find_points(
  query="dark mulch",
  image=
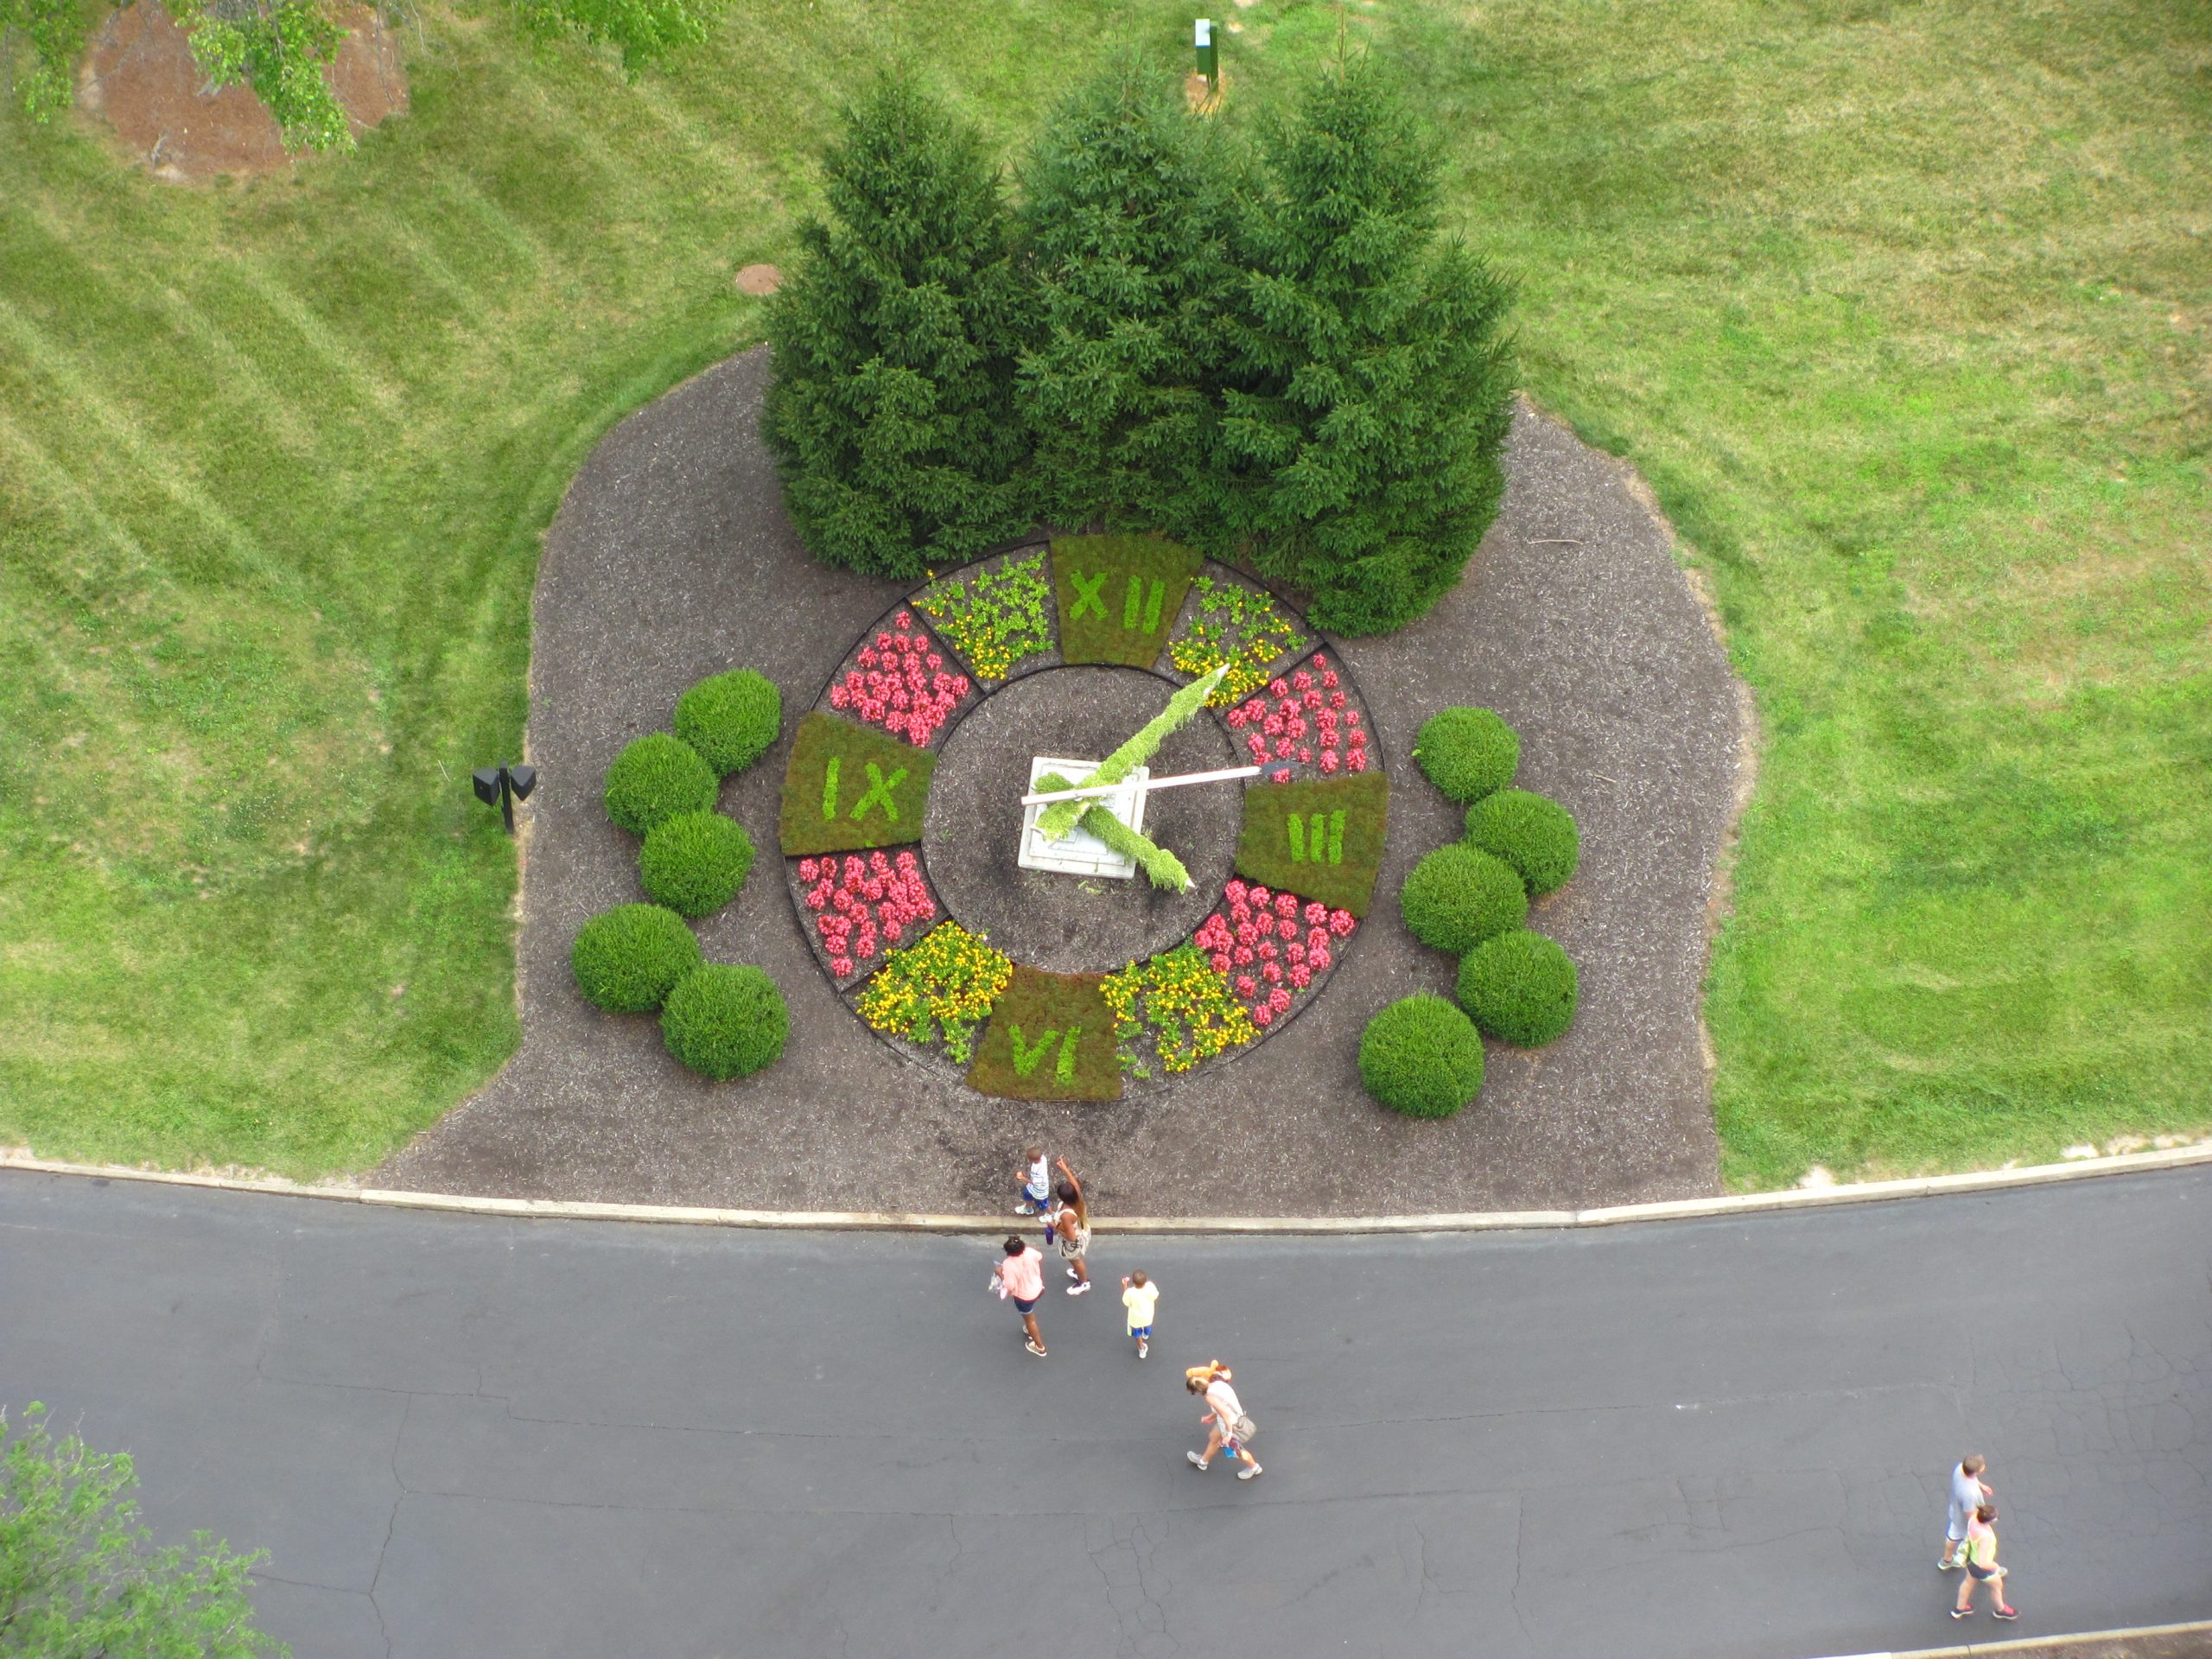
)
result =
(672, 559)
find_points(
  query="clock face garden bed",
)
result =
(672, 560)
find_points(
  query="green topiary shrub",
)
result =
(1519, 987)
(1534, 835)
(731, 719)
(726, 1020)
(1422, 1056)
(657, 777)
(695, 862)
(1467, 753)
(628, 960)
(1459, 895)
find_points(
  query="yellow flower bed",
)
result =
(937, 990)
(1186, 1005)
(1239, 626)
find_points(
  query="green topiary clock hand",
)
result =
(1057, 821)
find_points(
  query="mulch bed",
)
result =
(672, 559)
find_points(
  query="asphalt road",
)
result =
(1710, 1437)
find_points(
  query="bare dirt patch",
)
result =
(139, 78)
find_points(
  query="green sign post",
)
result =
(1208, 59)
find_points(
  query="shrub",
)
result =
(1422, 1057)
(657, 777)
(725, 1020)
(1534, 835)
(1467, 753)
(731, 719)
(628, 960)
(1519, 987)
(695, 862)
(1369, 392)
(1458, 896)
(890, 407)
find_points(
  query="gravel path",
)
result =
(672, 559)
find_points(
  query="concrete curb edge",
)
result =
(1744, 1204)
(2039, 1643)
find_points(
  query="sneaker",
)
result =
(1250, 1471)
(1143, 1348)
(1072, 1274)
(1078, 1290)
(1196, 1462)
(1962, 1612)
(1949, 1567)
(1032, 1348)
(1024, 1209)
(2004, 1612)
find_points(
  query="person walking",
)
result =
(1968, 1493)
(1068, 1227)
(1020, 1276)
(1139, 1296)
(1036, 1189)
(1228, 1426)
(1982, 1566)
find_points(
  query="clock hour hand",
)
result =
(1055, 822)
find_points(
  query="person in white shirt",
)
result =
(1227, 1424)
(1968, 1493)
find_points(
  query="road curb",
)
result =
(1744, 1204)
(2040, 1643)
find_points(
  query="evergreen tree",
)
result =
(1127, 222)
(890, 407)
(1371, 390)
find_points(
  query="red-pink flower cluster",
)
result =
(873, 900)
(1268, 945)
(1309, 720)
(901, 683)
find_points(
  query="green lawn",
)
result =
(1903, 311)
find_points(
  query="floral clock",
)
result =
(1003, 876)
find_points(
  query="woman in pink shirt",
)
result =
(1022, 1276)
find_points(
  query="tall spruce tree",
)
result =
(890, 407)
(1371, 393)
(1126, 220)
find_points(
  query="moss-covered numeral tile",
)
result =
(1118, 596)
(849, 786)
(1051, 1038)
(1320, 837)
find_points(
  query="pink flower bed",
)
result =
(864, 903)
(1304, 723)
(1271, 946)
(900, 682)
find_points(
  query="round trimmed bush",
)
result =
(657, 777)
(1520, 988)
(1467, 753)
(731, 719)
(1459, 895)
(695, 862)
(726, 1020)
(629, 959)
(1422, 1056)
(1535, 834)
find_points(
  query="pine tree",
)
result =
(1126, 221)
(1370, 392)
(890, 409)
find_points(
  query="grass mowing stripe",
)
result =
(59, 366)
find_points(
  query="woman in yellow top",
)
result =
(1981, 1566)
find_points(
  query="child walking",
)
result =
(1036, 1192)
(1139, 1295)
